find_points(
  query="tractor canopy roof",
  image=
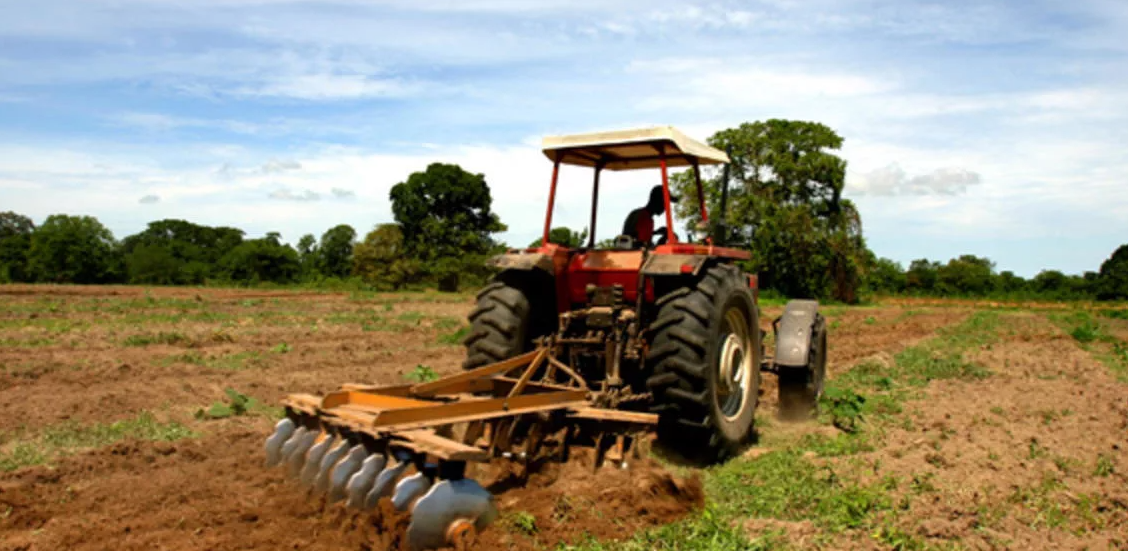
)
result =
(631, 149)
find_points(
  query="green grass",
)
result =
(520, 522)
(236, 361)
(1092, 336)
(146, 339)
(421, 374)
(455, 337)
(65, 439)
(786, 485)
(237, 404)
(707, 531)
(1115, 314)
(30, 342)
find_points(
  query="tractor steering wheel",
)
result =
(662, 236)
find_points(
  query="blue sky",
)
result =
(990, 128)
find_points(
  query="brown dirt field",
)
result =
(858, 334)
(64, 359)
(1009, 462)
(213, 493)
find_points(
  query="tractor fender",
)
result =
(793, 333)
(674, 264)
(522, 261)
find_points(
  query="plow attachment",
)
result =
(417, 444)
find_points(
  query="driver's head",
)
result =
(657, 203)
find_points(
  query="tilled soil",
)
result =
(213, 493)
(67, 360)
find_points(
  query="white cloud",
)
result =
(327, 87)
(275, 166)
(892, 180)
(342, 193)
(149, 199)
(289, 195)
(159, 122)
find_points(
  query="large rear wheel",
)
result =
(508, 316)
(705, 365)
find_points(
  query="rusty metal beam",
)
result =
(528, 374)
(460, 412)
(427, 442)
(438, 386)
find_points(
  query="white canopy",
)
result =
(631, 149)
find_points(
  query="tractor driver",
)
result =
(640, 224)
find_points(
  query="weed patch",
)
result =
(237, 404)
(69, 438)
(456, 337)
(421, 374)
(146, 339)
(787, 486)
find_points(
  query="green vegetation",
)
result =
(786, 191)
(456, 337)
(445, 219)
(235, 361)
(520, 522)
(237, 405)
(46, 445)
(1092, 334)
(146, 339)
(421, 374)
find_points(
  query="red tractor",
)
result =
(567, 348)
(672, 328)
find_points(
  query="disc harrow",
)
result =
(414, 444)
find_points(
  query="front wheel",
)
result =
(705, 360)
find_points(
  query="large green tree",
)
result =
(564, 236)
(336, 250)
(175, 251)
(885, 276)
(259, 260)
(1112, 280)
(445, 217)
(74, 249)
(380, 259)
(307, 257)
(967, 275)
(785, 204)
(15, 241)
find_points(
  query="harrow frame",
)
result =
(507, 411)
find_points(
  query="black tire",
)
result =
(698, 415)
(800, 389)
(504, 323)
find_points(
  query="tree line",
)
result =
(783, 203)
(441, 237)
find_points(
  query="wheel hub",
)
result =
(734, 365)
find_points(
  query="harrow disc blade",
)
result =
(298, 455)
(443, 510)
(290, 443)
(361, 482)
(283, 430)
(314, 457)
(344, 471)
(408, 489)
(384, 484)
(321, 481)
